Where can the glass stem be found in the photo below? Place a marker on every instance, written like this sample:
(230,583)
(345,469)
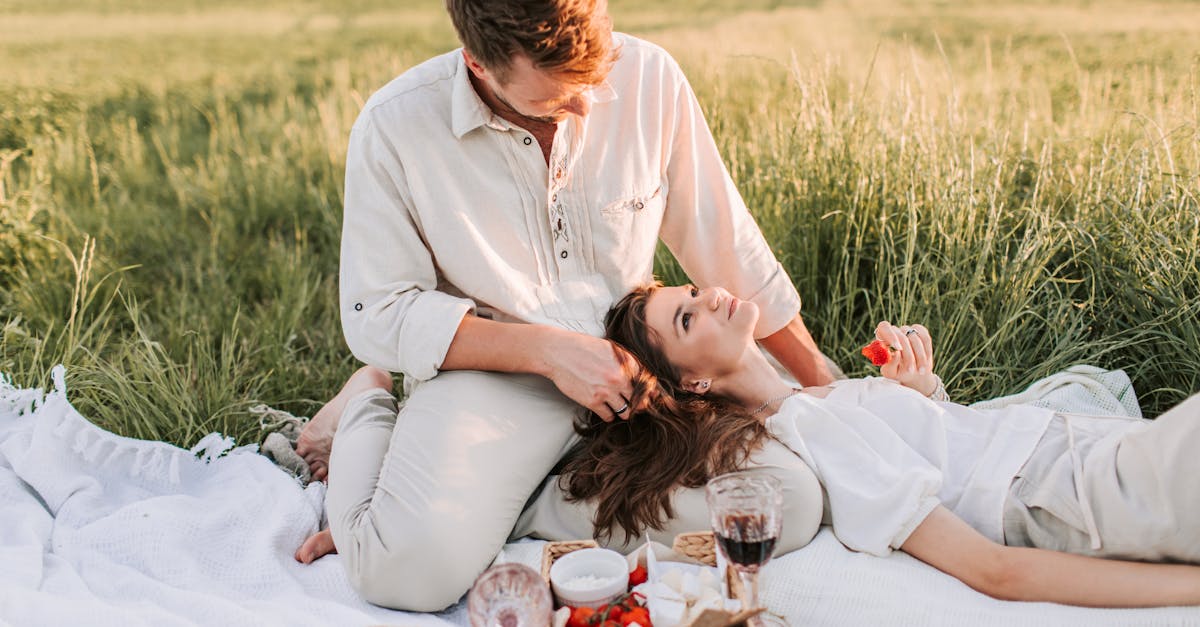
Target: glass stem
(749,589)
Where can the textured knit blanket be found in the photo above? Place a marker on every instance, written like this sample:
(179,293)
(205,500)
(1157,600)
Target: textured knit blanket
(97,529)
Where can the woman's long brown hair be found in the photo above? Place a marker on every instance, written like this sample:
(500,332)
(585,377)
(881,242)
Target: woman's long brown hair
(631,468)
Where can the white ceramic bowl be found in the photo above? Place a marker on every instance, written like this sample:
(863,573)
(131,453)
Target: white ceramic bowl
(599,563)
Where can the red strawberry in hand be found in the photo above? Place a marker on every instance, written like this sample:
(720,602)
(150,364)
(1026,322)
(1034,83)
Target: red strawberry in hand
(878,352)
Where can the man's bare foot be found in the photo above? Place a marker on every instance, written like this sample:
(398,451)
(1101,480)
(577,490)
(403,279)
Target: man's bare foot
(316,440)
(317,545)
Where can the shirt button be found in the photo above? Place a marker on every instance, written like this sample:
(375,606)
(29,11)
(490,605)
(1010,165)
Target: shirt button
(563,254)
(558,173)
(554,198)
(528,141)
(639,205)
(357,306)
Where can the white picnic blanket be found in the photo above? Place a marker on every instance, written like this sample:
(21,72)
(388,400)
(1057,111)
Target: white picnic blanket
(97,529)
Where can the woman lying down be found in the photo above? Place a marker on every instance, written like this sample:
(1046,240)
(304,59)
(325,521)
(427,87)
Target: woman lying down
(1019,503)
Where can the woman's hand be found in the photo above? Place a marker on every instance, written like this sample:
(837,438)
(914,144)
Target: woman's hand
(911,364)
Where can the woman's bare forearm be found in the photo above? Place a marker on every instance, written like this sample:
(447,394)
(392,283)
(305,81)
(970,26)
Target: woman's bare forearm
(1045,575)
(947,543)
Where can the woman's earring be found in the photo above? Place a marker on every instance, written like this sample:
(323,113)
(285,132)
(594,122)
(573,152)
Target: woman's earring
(704,384)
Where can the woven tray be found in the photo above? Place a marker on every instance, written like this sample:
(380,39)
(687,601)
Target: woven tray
(698,545)
(554,550)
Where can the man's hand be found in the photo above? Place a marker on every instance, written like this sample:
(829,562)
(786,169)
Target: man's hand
(592,372)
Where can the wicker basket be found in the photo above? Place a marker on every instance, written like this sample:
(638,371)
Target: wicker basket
(554,550)
(698,545)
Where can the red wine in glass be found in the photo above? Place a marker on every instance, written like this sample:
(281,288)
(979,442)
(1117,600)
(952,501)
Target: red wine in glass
(746,510)
(747,539)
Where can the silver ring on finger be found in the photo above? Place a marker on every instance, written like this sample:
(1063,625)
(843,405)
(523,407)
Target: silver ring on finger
(910,332)
(624,408)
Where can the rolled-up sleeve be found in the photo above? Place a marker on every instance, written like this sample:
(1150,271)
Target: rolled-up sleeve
(880,490)
(706,224)
(393,317)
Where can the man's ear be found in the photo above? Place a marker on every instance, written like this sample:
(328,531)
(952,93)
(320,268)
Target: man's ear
(478,70)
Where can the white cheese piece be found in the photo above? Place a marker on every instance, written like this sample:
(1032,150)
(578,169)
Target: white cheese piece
(709,597)
(674,579)
(665,612)
(690,586)
(660,590)
(562,616)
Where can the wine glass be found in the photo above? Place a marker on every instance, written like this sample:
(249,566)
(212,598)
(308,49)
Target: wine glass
(746,509)
(509,595)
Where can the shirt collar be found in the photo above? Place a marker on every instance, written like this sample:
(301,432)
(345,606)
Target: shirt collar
(468,111)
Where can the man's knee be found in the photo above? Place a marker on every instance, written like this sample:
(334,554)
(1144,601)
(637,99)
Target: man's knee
(422,570)
(415,585)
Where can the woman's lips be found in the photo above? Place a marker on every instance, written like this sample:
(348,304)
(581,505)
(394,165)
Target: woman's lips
(733,305)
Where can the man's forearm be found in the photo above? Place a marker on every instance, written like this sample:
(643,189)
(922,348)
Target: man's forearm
(482,344)
(795,348)
(586,369)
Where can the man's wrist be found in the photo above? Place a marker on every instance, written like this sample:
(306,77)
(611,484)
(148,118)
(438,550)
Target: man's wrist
(543,339)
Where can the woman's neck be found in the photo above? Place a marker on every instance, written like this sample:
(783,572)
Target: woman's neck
(754,383)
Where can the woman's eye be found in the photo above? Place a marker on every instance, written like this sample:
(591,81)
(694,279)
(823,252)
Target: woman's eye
(686,321)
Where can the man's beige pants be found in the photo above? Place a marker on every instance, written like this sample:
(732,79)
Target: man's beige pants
(1137,478)
(422,496)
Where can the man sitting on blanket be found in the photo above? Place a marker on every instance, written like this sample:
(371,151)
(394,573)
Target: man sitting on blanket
(499,199)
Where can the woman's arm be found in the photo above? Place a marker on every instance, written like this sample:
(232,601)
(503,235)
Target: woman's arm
(947,543)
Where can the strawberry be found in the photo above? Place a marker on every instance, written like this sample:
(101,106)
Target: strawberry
(611,612)
(639,615)
(878,352)
(581,617)
(637,576)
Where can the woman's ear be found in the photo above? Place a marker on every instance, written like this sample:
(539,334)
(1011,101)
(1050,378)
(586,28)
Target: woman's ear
(697,386)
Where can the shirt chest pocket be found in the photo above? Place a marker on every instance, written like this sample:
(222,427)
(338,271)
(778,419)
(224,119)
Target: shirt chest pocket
(626,231)
(649,201)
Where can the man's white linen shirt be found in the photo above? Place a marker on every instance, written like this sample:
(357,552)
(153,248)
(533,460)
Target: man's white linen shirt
(887,456)
(450,210)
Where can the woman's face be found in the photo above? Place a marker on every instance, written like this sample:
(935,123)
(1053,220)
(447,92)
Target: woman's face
(703,333)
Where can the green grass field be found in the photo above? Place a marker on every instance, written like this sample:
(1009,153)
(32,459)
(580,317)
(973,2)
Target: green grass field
(1022,176)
